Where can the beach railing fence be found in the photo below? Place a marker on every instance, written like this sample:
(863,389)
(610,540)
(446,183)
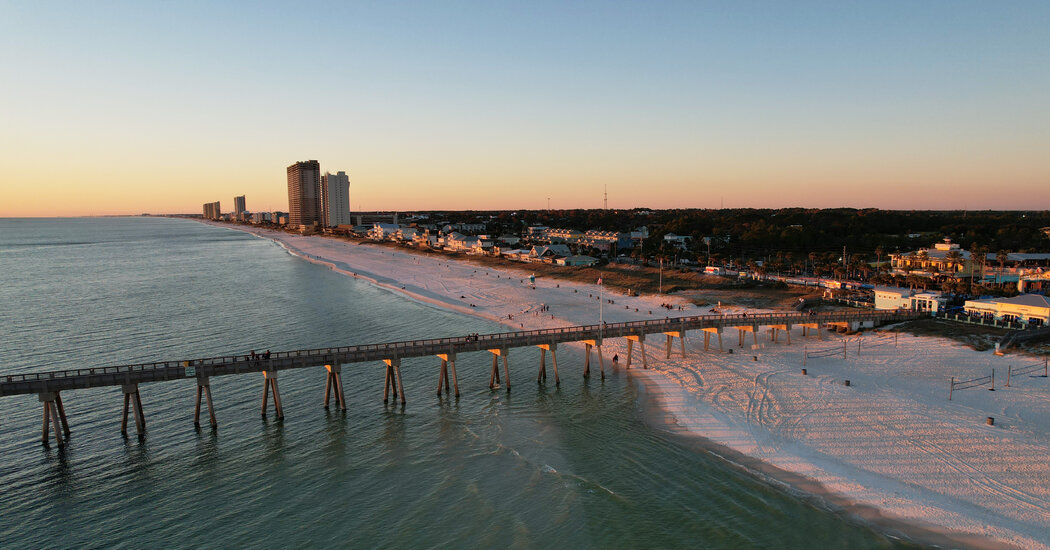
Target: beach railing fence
(972,383)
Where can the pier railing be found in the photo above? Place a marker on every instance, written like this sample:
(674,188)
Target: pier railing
(51,381)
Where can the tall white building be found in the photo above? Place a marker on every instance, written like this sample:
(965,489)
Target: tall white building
(335,199)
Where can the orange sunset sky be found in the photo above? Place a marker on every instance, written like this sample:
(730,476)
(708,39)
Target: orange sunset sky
(131,108)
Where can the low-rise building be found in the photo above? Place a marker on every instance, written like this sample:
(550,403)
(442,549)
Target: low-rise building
(909,299)
(549,253)
(536,231)
(384,231)
(1028,309)
(678,241)
(571,261)
(570,236)
(606,241)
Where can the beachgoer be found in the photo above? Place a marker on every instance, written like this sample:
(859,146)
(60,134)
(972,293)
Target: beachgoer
(616,358)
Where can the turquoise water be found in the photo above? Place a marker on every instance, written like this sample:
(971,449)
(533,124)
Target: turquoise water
(568,467)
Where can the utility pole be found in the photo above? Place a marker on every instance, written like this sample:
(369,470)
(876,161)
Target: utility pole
(660,288)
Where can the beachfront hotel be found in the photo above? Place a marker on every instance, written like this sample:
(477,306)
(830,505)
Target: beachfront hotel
(335,199)
(212,210)
(238,205)
(304,193)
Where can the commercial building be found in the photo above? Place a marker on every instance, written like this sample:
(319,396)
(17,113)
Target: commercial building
(944,258)
(1029,309)
(335,199)
(304,193)
(906,298)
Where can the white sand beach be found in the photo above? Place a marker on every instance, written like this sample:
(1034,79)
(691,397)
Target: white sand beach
(890,441)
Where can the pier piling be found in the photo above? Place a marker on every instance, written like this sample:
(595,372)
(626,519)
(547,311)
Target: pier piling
(448,362)
(204,387)
(133,401)
(53,412)
(393,380)
(270,384)
(334,385)
(631,339)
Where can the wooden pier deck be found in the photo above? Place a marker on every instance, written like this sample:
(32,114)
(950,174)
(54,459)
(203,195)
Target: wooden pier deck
(48,384)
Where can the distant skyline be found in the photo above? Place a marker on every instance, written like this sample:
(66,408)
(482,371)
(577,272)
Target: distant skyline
(131,107)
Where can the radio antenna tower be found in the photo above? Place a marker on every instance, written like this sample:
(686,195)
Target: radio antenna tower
(606,197)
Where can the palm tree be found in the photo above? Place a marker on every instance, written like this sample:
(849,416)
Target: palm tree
(1001,257)
(953,257)
(979,254)
(923,257)
(910,264)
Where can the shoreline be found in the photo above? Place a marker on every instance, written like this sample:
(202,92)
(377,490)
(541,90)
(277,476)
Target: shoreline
(657,414)
(936,516)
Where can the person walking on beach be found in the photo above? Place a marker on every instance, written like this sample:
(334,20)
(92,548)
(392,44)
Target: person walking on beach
(616,358)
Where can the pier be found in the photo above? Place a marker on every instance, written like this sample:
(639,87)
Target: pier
(48,385)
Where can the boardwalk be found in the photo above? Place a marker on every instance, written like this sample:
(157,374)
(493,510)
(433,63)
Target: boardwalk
(48,384)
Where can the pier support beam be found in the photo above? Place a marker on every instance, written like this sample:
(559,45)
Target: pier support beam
(270,385)
(597,345)
(542,375)
(775,332)
(753,329)
(393,380)
(494,376)
(707,337)
(333,384)
(449,360)
(54,412)
(204,387)
(681,339)
(134,401)
(631,339)
(806,327)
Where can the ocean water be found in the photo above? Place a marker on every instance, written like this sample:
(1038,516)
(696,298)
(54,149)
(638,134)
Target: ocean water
(569,467)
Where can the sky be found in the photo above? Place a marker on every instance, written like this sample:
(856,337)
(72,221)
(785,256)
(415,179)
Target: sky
(132,107)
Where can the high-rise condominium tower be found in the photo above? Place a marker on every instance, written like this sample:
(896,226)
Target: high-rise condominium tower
(304,193)
(238,205)
(335,199)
